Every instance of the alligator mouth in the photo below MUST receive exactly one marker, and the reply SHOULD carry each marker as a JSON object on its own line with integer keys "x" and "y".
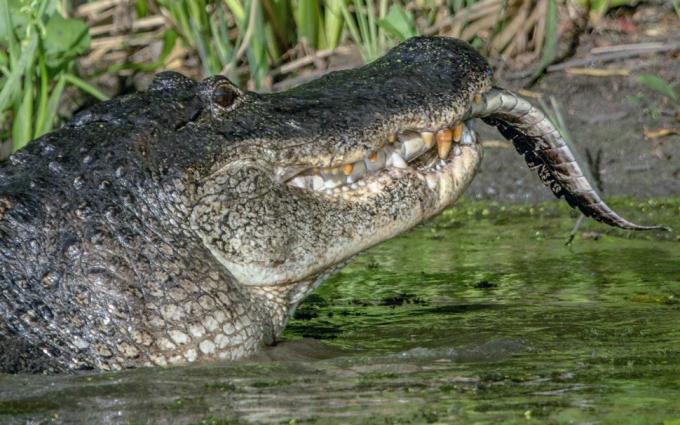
{"x": 425, "y": 151}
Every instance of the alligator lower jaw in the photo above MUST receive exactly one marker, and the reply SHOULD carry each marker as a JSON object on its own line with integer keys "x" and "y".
{"x": 428, "y": 154}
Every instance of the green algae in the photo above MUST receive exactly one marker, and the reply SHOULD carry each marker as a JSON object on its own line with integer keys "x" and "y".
{"x": 482, "y": 315}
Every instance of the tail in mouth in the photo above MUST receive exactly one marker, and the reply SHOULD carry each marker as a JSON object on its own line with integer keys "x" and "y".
{"x": 545, "y": 151}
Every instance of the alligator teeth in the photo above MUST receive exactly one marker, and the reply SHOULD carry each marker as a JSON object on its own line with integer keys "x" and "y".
{"x": 317, "y": 183}
{"x": 444, "y": 141}
{"x": 399, "y": 151}
{"x": 428, "y": 138}
{"x": 468, "y": 136}
{"x": 376, "y": 161}
{"x": 458, "y": 132}
{"x": 412, "y": 147}
{"x": 358, "y": 171}
{"x": 300, "y": 182}
{"x": 332, "y": 179}
{"x": 395, "y": 160}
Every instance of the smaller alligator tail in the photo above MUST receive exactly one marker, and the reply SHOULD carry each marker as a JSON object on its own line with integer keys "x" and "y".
{"x": 545, "y": 151}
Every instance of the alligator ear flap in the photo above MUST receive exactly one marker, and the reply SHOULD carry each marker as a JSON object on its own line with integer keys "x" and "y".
{"x": 545, "y": 151}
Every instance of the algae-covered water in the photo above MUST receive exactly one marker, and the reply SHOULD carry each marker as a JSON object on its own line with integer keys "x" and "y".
{"x": 482, "y": 315}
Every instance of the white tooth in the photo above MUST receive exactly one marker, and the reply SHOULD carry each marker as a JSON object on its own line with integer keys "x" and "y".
{"x": 412, "y": 147}
{"x": 331, "y": 183}
{"x": 396, "y": 161}
{"x": 332, "y": 178}
{"x": 375, "y": 162}
{"x": 345, "y": 189}
{"x": 431, "y": 181}
{"x": 457, "y": 150}
{"x": 468, "y": 136}
{"x": 354, "y": 186}
{"x": 358, "y": 172}
{"x": 317, "y": 183}
{"x": 300, "y": 182}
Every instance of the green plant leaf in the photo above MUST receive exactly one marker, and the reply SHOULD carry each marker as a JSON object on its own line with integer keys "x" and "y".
{"x": 52, "y": 106}
{"x": 658, "y": 85}
{"x": 85, "y": 86}
{"x": 333, "y": 23}
{"x": 549, "y": 49}
{"x": 399, "y": 23}
{"x": 11, "y": 19}
{"x": 64, "y": 39}
{"x": 23, "y": 119}
{"x": 12, "y": 85}
{"x": 308, "y": 21}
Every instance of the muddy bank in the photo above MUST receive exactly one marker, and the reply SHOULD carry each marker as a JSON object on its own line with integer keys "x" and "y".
{"x": 609, "y": 114}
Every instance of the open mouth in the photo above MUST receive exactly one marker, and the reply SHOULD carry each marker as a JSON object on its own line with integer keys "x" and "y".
{"x": 424, "y": 151}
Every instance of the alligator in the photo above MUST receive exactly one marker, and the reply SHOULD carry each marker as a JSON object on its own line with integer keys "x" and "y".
{"x": 186, "y": 223}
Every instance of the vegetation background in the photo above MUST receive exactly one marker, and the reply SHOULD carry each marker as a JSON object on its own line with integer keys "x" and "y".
{"x": 58, "y": 56}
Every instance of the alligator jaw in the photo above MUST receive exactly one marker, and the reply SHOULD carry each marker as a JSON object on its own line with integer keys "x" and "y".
{"x": 349, "y": 211}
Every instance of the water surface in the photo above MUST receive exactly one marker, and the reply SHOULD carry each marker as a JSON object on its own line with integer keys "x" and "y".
{"x": 482, "y": 315}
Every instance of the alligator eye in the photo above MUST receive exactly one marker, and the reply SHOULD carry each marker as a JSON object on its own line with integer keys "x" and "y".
{"x": 224, "y": 95}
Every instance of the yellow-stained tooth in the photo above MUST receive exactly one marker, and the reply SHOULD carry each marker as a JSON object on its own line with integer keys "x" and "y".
{"x": 392, "y": 138}
{"x": 478, "y": 98}
{"x": 347, "y": 169}
{"x": 444, "y": 141}
{"x": 428, "y": 138}
{"x": 445, "y": 135}
{"x": 373, "y": 156}
{"x": 458, "y": 132}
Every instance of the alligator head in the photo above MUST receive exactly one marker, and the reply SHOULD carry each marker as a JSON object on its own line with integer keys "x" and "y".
{"x": 187, "y": 222}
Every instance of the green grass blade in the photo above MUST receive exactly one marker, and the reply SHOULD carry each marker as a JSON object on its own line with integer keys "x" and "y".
{"x": 85, "y": 86}
{"x": 308, "y": 21}
{"x": 399, "y": 23}
{"x": 42, "y": 97}
{"x": 660, "y": 86}
{"x": 7, "y": 29}
{"x": 23, "y": 117}
{"x": 334, "y": 23}
{"x": 550, "y": 44}
{"x": 236, "y": 8}
{"x": 351, "y": 24}
{"x": 53, "y": 105}
{"x": 12, "y": 85}
{"x": 372, "y": 26}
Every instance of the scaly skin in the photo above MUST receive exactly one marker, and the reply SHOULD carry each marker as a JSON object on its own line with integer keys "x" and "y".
{"x": 167, "y": 227}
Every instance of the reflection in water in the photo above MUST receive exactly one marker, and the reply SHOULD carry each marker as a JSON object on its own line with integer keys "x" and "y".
{"x": 481, "y": 315}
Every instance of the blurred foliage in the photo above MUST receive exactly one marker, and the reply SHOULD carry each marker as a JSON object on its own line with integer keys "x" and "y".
{"x": 37, "y": 60}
